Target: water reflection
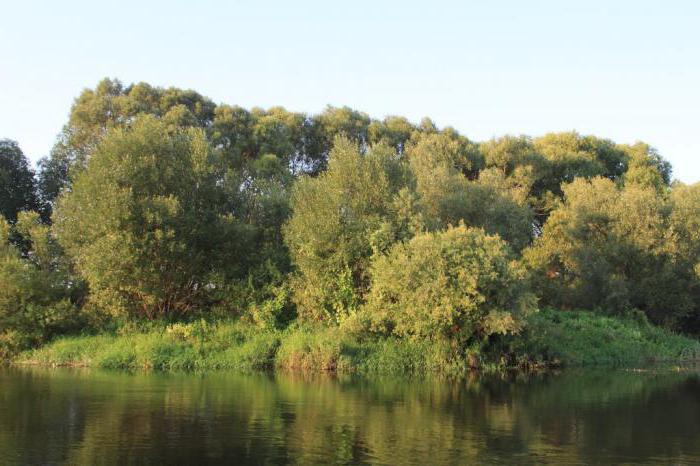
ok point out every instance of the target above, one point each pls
(64, 416)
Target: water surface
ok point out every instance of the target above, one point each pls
(63, 416)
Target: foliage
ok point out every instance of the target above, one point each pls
(336, 216)
(344, 240)
(17, 184)
(445, 196)
(683, 247)
(145, 221)
(39, 297)
(567, 338)
(458, 285)
(615, 249)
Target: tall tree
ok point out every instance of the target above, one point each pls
(338, 219)
(146, 222)
(17, 184)
(615, 248)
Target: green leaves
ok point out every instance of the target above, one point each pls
(330, 232)
(456, 284)
(615, 248)
(17, 184)
(146, 222)
(39, 296)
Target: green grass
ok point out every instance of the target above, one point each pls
(580, 338)
(552, 338)
(197, 346)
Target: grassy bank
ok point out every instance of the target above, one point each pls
(551, 338)
(580, 338)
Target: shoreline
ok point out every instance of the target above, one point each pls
(553, 340)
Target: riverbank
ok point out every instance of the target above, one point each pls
(552, 338)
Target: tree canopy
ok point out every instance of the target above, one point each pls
(17, 183)
(146, 221)
(159, 203)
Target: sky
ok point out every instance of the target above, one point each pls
(624, 70)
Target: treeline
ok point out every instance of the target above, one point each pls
(159, 204)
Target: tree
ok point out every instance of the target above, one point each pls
(519, 162)
(39, 296)
(448, 147)
(570, 155)
(393, 131)
(279, 132)
(17, 185)
(337, 219)
(146, 223)
(445, 195)
(112, 105)
(684, 248)
(606, 247)
(646, 167)
(327, 125)
(457, 284)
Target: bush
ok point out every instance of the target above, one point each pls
(457, 284)
(612, 248)
(312, 349)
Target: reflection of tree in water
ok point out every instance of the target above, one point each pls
(579, 416)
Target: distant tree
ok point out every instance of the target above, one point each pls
(327, 125)
(279, 132)
(113, 105)
(446, 196)
(394, 131)
(541, 166)
(448, 147)
(519, 162)
(17, 184)
(646, 167)
(570, 156)
(684, 247)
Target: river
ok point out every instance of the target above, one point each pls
(90, 417)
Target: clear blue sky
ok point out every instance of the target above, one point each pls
(626, 70)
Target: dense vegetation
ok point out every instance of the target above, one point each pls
(549, 339)
(158, 207)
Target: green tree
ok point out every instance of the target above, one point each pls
(338, 217)
(570, 155)
(17, 184)
(519, 162)
(684, 248)
(39, 296)
(112, 105)
(606, 248)
(394, 131)
(323, 128)
(445, 196)
(645, 166)
(457, 284)
(146, 223)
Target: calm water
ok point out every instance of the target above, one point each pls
(77, 417)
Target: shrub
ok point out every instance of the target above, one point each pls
(457, 284)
